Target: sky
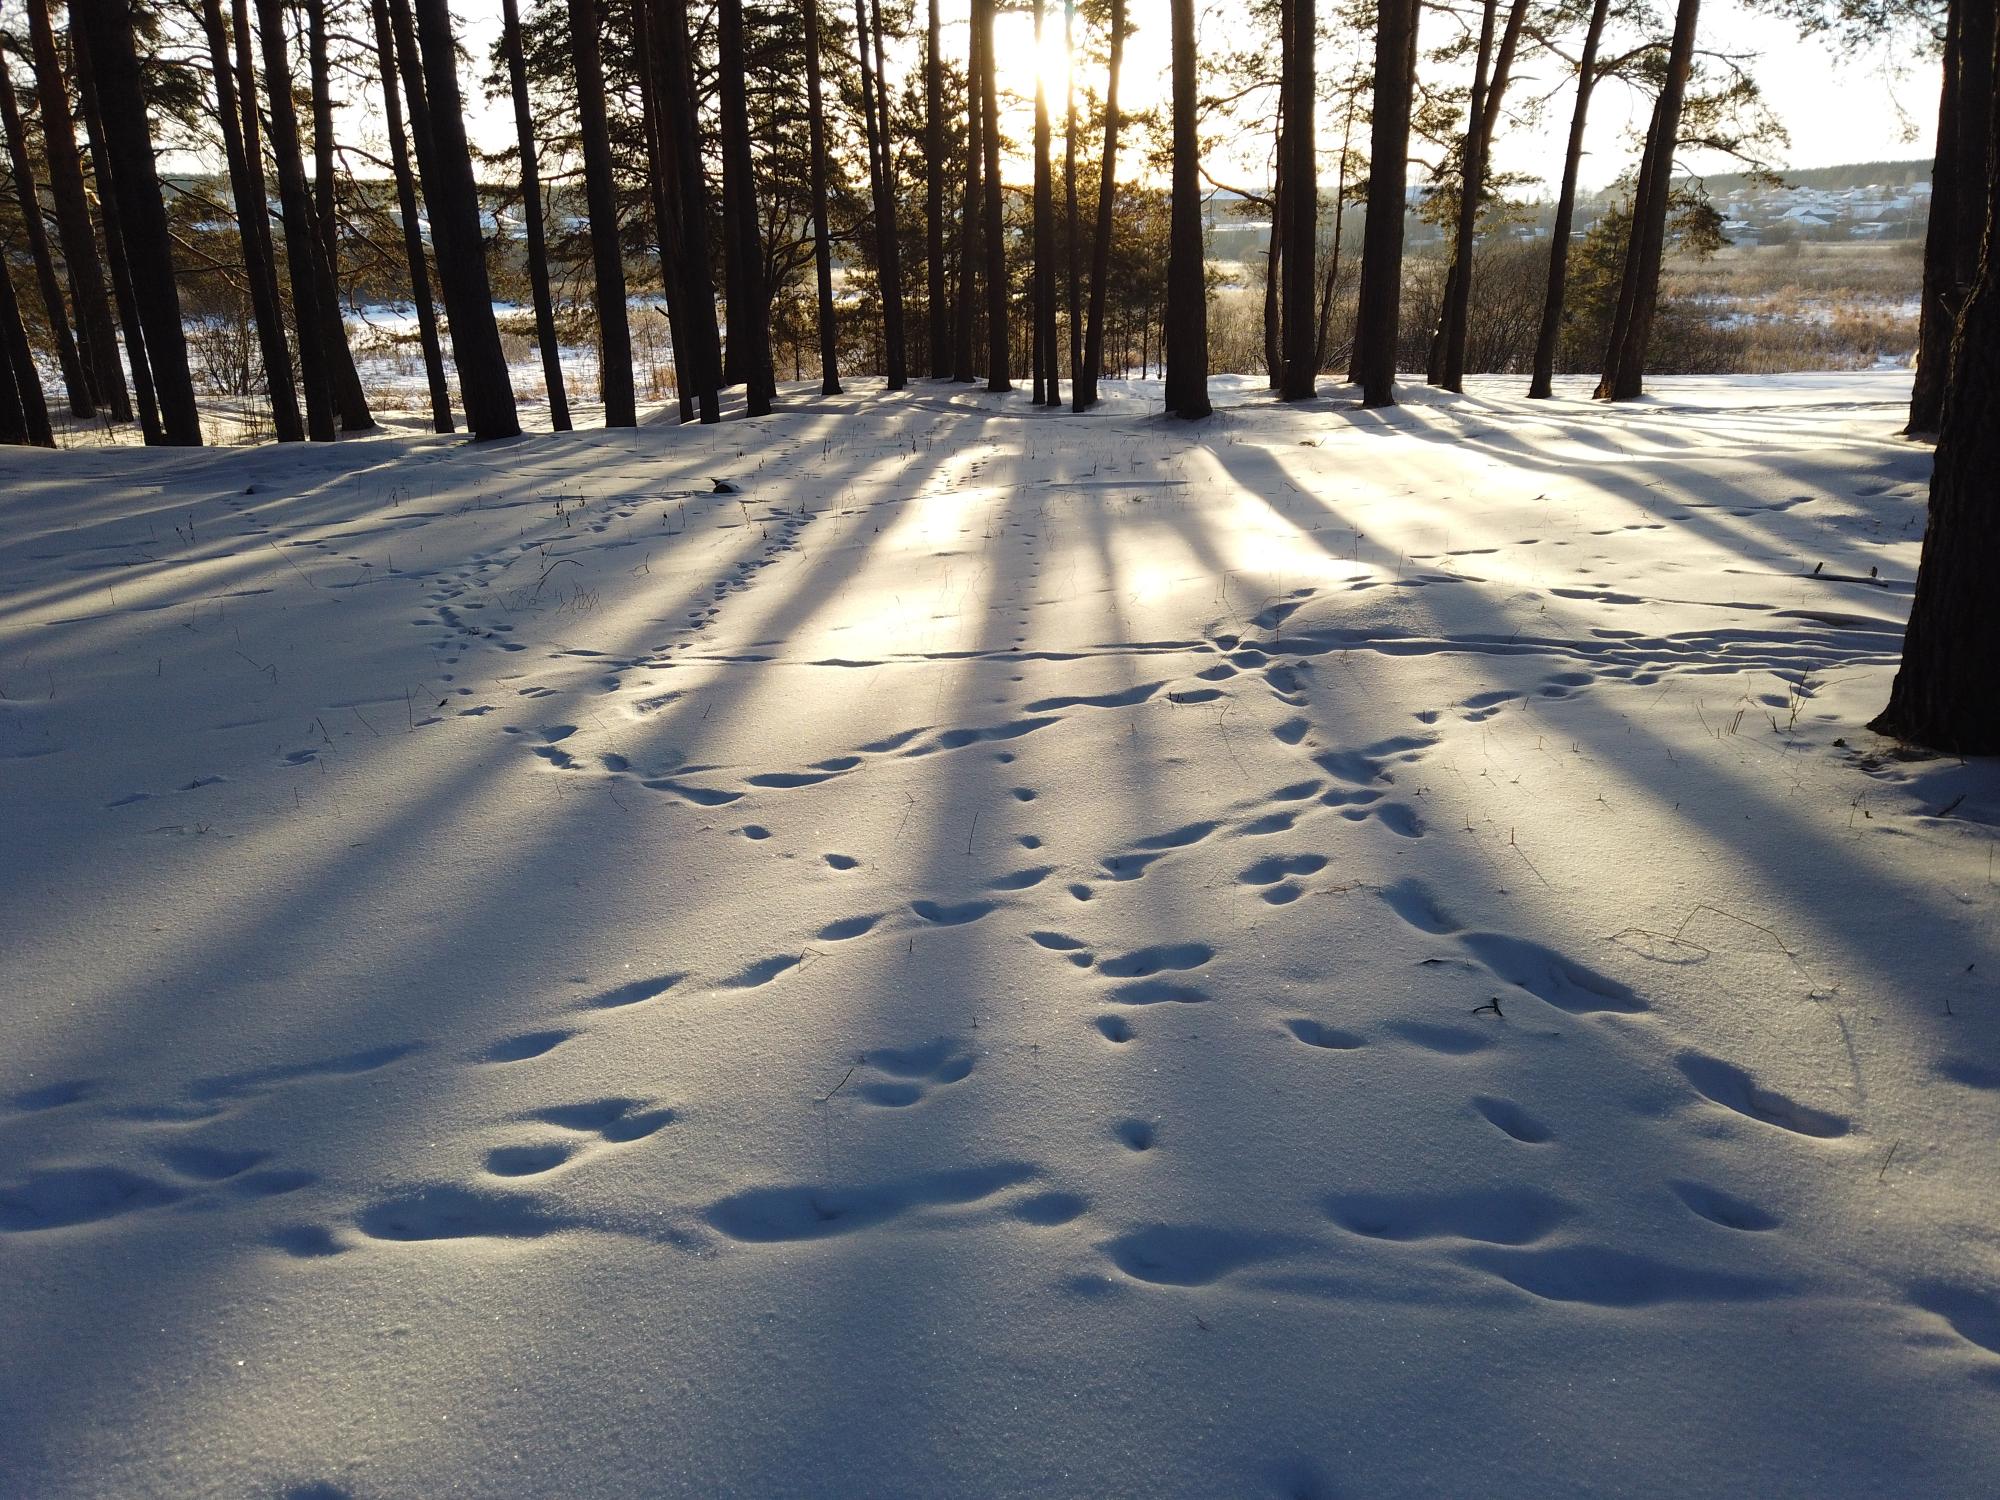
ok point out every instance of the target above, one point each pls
(1882, 106)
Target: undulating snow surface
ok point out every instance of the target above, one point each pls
(1319, 953)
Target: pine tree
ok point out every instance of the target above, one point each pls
(1540, 384)
(1300, 203)
(829, 338)
(1187, 272)
(1084, 391)
(1373, 364)
(76, 384)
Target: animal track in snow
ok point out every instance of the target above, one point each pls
(1507, 1117)
(908, 1073)
(946, 914)
(1316, 1034)
(1549, 976)
(1192, 1254)
(528, 1044)
(637, 992)
(770, 1215)
(1725, 1084)
(1973, 1316)
(1144, 962)
(447, 1211)
(59, 1197)
(1496, 1216)
(1719, 1207)
(1603, 1277)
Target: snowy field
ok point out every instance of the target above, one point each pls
(1316, 954)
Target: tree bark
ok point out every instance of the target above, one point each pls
(607, 252)
(531, 218)
(1083, 392)
(253, 230)
(680, 129)
(1300, 330)
(666, 217)
(413, 235)
(749, 311)
(24, 410)
(1187, 274)
(1944, 695)
(939, 307)
(1540, 384)
(999, 349)
(76, 384)
(453, 198)
(970, 220)
(326, 212)
(1048, 369)
(1639, 287)
(829, 335)
(114, 68)
(97, 335)
(1951, 244)
(1073, 297)
(301, 244)
(1373, 365)
(882, 175)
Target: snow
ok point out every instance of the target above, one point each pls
(1319, 953)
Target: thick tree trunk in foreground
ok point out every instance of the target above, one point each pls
(971, 230)
(607, 253)
(999, 348)
(127, 300)
(454, 204)
(666, 215)
(748, 351)
(413, 235)
(829, 336)
(939, 309)
(1951, 244)
(24, 410)
(531, 218)
(1947, 693)
(1187, 273)
(680, 132)
(135, 182)
(97, 335)
(1639, 287)
(1084, 393)
(1298, 328)
(1373, 365)
(76, 383)
(253, 230)
(1540, 384)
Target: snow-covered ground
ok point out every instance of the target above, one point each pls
(1318, 953)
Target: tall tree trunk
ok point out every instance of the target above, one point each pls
(749, 308)
(666, 216)
(1373, 364)
(680, 128)
(97, 335)
(1331, 282)
(1048, 368)
(1073, 296)
(882, 175)
(1465, 222)
(829, 334)
(971, 224)
(113, 68)
(246, 187)
(1301, 204)
(1450, 343)
(938, 308)
(413, 234)
(453, 198)
(531, 218)
(1639, 287)
(607, 251)
(1944, 694)
(1540, 384)
(999, 348)
(76, 384)
(1187, 273)
(301, 244)
(24, 410)
(148, 408)
(1083, 392)
(326, 213)
(1951, 244)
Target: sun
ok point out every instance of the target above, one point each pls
(1022, 63)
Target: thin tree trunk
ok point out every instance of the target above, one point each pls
(413, 235)
(1187, 283)
(743, 246)
(24, 410)
(113, 67)
(1328, 286)
(970, 221)
(148, 408)
(939, 308)
(1472, 190)
(889, 252)
(1540, 384)
(325, 210)
(1083, 392)
(97, 335)
(453, 198)
(1373, 365)
(1301, 203)
(1944, 692)
(1639, 287)
(1465, 224)
(531, 218)
(1073, 298)
(247, 189)
(666, 217)
(315, 358)
(829, 335)
(76, 384)
(1048, 369)
(607, 252)
(680, 129)
(999, 347)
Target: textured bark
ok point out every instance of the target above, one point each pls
(999, 349)
(1300, 328)
(1187, 288)
(76, 383)
(97, 334)
(971, 226)
(147, 408)
(607, 253)
(24, 410)
(748, 352)
(1951, 244)
(829, 341)
(680, 131)
(454, 202)
(1073, 297)
(531, 218)
(114, 68)
(666, 217)
(246, 187)
(326, 212)
(301, 246)
(413, 236)
(1540, 384)
(1084, 392)
(1639, 286)
(1947, 692)
(1048, 369)
(882, 184)
(1373, 366)
(939, 309)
